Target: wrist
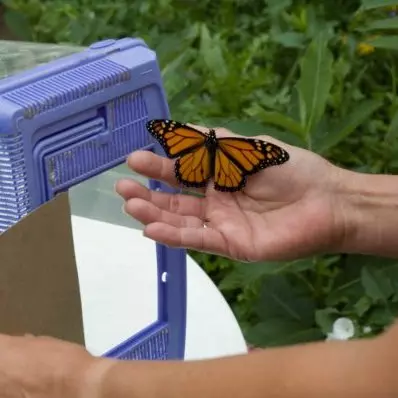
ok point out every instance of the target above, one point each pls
(92, 381)
(369, 213)
(109, 378)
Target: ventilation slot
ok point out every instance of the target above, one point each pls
(14, 195)
(67, 87)
(153, 348)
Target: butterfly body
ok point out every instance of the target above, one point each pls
(211, 145)
(203, 156)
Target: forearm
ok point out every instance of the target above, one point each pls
(371, 213)
(363, 369)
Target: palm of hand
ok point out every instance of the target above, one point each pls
(252, 229)
(284, 212)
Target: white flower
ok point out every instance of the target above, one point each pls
(367, 329)
(343, 329)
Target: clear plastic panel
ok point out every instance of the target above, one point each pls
(16, 56)
(96, 198)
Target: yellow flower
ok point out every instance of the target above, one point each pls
(365, 48)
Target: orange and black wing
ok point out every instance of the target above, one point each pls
(239, 157)
(176, 138)
(194, 168)
(228, 177)
(252, 155)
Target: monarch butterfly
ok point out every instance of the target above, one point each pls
(201, 156)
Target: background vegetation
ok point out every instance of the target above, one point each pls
(254, 66)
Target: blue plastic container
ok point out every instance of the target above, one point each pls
(68, 120)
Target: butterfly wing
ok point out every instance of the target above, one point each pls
(237, 158)
(252, 155)
(228, 177)
(176, 138)
(194, 168)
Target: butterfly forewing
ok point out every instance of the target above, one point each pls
(252, 155)
(175, 138)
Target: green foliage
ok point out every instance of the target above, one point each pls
(319, 74)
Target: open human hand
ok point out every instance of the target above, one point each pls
(285, 212)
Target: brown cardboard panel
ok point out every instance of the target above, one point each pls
(39, 286)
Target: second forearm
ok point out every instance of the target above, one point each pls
(328, 370)
(371, 213)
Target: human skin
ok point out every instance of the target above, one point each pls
(302, 207)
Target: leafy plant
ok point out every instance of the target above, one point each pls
(319, 74)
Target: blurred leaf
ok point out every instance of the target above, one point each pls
(193, 87)
(392, 133)
(289, 39)
(315, 81)
(347, 284)
(377, 286)
(325, 318)
(275, 7)
(381, 24)
(171, 65)
(380, 316)
(391, 272)
(326, 140)
(352, 89)
(280, 332)
(362, 305)
(211, 53)
(280, 299)
(246, 273)
(172, 46)
(317, 24)
(247, 128)
(371, 4)
(385, 42)
(299, 265)
(18, 24)
(79, 30)
(276, 119)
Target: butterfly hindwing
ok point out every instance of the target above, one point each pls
(194, 168)
(252, 155)
(175, 138)
(228, 177)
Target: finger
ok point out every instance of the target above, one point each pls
(153, 166)
(184, 205)
(147, 213)
(201, 239)
(128, 189)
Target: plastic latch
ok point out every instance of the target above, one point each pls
(104, 137)
(102, 44)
